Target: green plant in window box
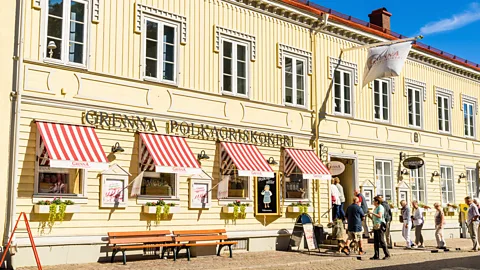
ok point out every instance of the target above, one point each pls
(53, 215)
(239, 209)
(162, 209)
(302, 207)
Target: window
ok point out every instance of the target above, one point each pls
(238, 186)
(443, 104)
(66, 31)
(384, 179)
(381, 96)
(234, 67)
(294, 81)
(342, 92)
(446, 180)
(414, 107)
(159, 185)
(160, 50)
(296, 188)
(472, 183)
(468, 119)
(417, 179)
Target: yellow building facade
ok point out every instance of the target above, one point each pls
(267, 77)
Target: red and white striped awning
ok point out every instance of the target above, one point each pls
(70, 146)
(307, 162)
(247, 159)
(169, 154)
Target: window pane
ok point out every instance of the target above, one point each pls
(60, 181)
(152, 49)
(227, 83)
(152, 30)
(288, 95)
(168, 34)
(300, 68)
(241, 69)
(238, 187)
(377, 112)
(58, 51)
(300, 80)
(168, 53)
(241, 52)
(55, 7)
(347, 107)
(241, 86)
(158, 184)
(296, 187)
(168, 71)
(75, 53)
(77, 12)
(54, 27)
(227, 49)
(151, 68)
(385, 114)
(227, 66)
(289, 80)
(76, 32)
(288, 65)
(346, 78)
(300, 98)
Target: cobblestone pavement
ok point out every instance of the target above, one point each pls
(421, 259)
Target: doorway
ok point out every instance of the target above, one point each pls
(348, 178)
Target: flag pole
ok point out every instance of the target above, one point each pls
(367, 46)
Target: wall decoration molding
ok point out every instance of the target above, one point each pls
(445, 92)
(470, 99)
(282, 48)
(143, 9)
(37, 4)
(95, 11)
(221, 31)
(335, 63)
(390, 80)
(415, 84)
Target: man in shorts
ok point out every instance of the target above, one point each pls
(354, 215)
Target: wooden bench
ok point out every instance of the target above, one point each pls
(123, 241)
(192, 238)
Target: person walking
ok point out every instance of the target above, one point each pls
(439, 223)
(407, 224)
(388, 221)
(354, 216)
(335, 194)
(341, 212)
(476, 202)
(364, 206)
(418, 222)
(472, 222)
(378, 230)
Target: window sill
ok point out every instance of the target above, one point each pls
(75, 199)
(69, 65)
(415, 127)
(343, 115)
(225, 202)
(304, 107)
(231, 94)
(153, 80)
(297, 200)
(142, 200)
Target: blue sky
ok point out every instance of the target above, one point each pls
(451, 26)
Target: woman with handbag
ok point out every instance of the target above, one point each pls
(418, 221)
(379, 227)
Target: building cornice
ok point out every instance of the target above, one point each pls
(337, 27)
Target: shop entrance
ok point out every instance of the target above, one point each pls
(348, 179)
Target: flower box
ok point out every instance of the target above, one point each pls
(45, 209)
(229, 209)
(296, 209)
(153, 209)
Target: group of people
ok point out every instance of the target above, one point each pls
(381, 216)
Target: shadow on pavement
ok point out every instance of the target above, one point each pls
(467, 263)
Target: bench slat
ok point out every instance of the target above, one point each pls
(190, 232)
(146, 246)
(135, 240)
(210, 244)
(139, 233)
(200, 238)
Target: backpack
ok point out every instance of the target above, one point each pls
(388, 214)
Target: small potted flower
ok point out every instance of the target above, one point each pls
(238, 209)
(299, 207)
(56, 209)
(161, 209)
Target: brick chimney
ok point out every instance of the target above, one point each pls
(380, 17)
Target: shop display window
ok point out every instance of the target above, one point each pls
(238, 186)
(159, 185)
(296, 188)
(59, 181)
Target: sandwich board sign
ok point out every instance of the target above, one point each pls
(303, 229)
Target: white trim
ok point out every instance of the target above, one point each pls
(335, 63)
(377, 189)
(445, 92)
(389, 100)
(447, 166)
(154, 198)
(410, 83)
(37, 4)
(474, 122)
(414, 89)
(221, 32)
(342, 92)
(234, 58)
(470, 99)
(425, 187)
(295, 52)
(95, 11)
(295, 58)
(140, 10)
(442, 117)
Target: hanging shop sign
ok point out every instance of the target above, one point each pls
(267, 196)
(208, 132)
(119, 121)
(336, 167)
(413, 163)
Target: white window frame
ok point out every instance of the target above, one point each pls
(472, 177)
(248, 199)
(284, 191)
(78, 198)
(65, 34)
(415, 125)
(235, 42)
(142, 199)
(295, 58)
(342, 85)
(442, 117)
(389, 100)
(418, 191)
(392, 190)
(469, 103)
(443, 181)
(161, 22)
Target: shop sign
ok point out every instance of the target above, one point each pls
(336, 167)
(267, 196)
(208, 132)
(304, 229)
(413, 163)
(119, 121)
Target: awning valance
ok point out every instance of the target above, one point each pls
(246, 158)
(70, 146)
(307, 162)
(169, 154)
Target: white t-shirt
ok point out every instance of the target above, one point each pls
(418, 217)
(336, 194)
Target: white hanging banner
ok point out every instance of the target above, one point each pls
(222, 191)
(385, 61)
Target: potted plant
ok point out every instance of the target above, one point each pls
(56, 209)
(238, 209)
(161, 209)
(299, 207)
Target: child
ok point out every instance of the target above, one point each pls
(266, 196)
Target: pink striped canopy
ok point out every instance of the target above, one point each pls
(247, 159)
(307, 162)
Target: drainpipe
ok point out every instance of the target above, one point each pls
(15, 122)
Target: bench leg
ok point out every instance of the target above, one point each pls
(188, 253)
(175, 252)
(163, 253)
(230, 249)
(124, 257)
(113, 255)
